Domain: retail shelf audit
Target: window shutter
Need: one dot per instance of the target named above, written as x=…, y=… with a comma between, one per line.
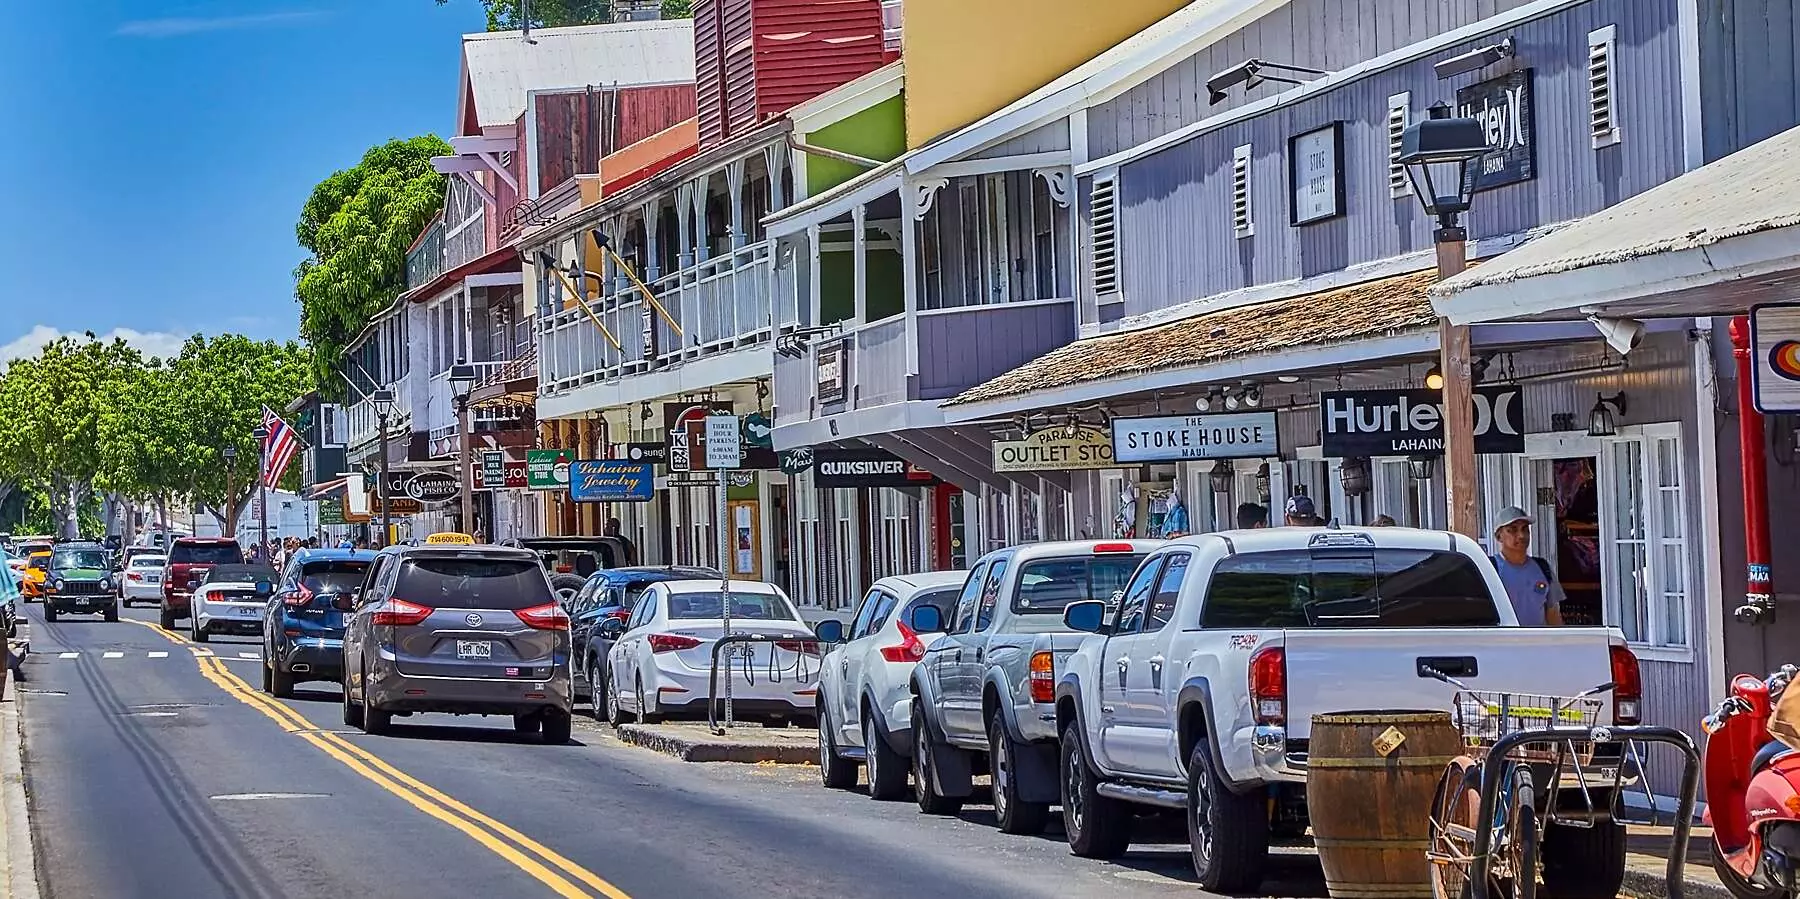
x=1240, y=192
x=1103, y=236
x=1398, y=117
x=1603, y=120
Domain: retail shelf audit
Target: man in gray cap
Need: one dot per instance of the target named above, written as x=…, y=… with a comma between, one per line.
x=1529, y=582
x=1300, y=512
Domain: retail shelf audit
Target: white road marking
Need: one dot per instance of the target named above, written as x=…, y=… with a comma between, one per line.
x=112, y=655
x=250, y=655
x=203, y=653
x=159, y=655
x=70, y=655
x=241, y=797
x=239, y=659
x=152, y=714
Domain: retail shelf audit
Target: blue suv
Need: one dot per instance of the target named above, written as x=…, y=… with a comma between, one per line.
x=303, y=630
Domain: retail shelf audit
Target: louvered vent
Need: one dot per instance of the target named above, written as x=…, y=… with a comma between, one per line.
x=1240, y=192
x=1399, y=106
x=1603, y=121
x=1104, y=236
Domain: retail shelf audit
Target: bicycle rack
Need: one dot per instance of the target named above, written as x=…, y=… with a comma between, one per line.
x=712, y=685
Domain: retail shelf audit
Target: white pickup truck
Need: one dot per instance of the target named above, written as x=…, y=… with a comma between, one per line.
x=1197, y=692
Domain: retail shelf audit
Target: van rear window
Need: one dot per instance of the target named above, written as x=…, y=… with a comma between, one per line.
x=457, y=583
x=1348, y=588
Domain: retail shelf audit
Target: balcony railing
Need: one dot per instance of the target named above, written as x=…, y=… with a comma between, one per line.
x=720, y=305
x=364, y=425
x=440, y=402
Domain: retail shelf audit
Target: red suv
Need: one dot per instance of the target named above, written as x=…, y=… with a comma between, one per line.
x=189, y=559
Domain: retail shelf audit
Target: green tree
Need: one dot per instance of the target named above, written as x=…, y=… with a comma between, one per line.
x=142, y=439
x=504, y=15
x=677, y=9
x=358, y=224
x=52, y=404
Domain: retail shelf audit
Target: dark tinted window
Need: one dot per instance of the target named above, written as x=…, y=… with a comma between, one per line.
x=473, y=583
x=336, y=576
x=943, y=600
x=1378, y=588
x=1046, y=586
x=206, y=554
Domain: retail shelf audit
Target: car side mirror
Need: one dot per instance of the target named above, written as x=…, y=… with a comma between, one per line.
x=344, y=602
x=612, y=627
x=830, y=630
x=926, y=620
x=1088, y=615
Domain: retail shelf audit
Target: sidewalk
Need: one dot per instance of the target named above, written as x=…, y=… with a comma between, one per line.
x=18, y=864
x=1647, y=860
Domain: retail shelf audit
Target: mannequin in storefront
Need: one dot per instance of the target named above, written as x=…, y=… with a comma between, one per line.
x=1529, y=582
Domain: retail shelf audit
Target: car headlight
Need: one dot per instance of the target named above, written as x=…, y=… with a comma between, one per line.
x=106, y=583
x=56, y=584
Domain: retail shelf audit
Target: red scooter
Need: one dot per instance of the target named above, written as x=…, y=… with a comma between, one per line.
x=1753, y=792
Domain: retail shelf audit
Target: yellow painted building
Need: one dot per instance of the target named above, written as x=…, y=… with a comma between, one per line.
x=967, y=58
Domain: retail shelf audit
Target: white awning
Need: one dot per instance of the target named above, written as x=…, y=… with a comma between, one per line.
x=1714, y=241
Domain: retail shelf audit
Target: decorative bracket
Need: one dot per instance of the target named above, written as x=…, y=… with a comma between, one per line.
x=925, y=192
x=1056, y=180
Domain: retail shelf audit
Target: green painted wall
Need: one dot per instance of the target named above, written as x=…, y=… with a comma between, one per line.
x=837, y=294
x=878, y=132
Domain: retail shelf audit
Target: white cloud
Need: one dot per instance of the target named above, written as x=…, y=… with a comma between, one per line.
x=150, y=343
x=180, y=26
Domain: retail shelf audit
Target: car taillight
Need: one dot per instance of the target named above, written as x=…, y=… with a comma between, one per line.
x=299, y=599
x=909, y=650
x=1628, y=686
x=399, y=613
x=133, y=576
x=803, y=647
x=1043, y=676
x=547, y=617
x=1268, y=685
x=616, y=615
x=1112, y=547
x=671, y=642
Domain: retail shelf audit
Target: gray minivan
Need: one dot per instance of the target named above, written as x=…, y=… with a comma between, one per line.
x=468, y=630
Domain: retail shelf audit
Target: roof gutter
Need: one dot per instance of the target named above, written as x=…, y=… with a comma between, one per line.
x=828, y=153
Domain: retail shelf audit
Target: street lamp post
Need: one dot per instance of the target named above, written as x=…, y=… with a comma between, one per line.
x=383, y=401
x=462, y=380
x=1436, y=153
x=230, y=454
x=262, y=487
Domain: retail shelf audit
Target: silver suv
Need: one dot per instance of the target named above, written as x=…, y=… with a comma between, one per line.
x=469, y=630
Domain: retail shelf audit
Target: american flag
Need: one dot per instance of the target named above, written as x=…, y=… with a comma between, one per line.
x=279, y=447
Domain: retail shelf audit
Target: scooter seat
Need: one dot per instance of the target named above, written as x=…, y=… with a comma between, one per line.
x=1767, y=755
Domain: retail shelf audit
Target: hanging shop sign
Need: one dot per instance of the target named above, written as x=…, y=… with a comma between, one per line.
x=870, y=467
x=611, y=481
x=493, y=466
x=548, y=469
x=433, y=487
x=758, y=431
x=1316, y=174
x=647, y=452
x=1177, y=438
x=1411, y=422
x=829, y=373
x=794, y=461
x=1055, y=449
x=397, y=505
x=724, y=442
x=331, y=511
x=1503, y=107
x=684, y=434
x=1775, y=341
x=689, y=445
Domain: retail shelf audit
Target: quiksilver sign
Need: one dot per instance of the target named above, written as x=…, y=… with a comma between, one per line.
x=1178, y=438
x=1411, y=422
x=837, y=467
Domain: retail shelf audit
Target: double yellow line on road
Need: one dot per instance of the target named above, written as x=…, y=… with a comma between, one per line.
x=561, y=875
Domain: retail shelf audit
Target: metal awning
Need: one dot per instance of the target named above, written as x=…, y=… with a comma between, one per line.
x=1714, y=241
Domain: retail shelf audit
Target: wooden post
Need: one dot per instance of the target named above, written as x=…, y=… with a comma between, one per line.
x=860, y=261
x=1460, y=491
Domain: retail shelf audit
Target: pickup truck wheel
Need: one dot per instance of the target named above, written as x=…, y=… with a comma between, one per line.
x=1097, y=826
x=111, y=613
x=835, y=771
x=931, y=802
x=1228, y=834
x=886, y=768
x=1016, y=815
x=1585, y=863
x=168, y=620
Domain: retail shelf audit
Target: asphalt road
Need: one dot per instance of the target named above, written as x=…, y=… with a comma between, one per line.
x=156, y=769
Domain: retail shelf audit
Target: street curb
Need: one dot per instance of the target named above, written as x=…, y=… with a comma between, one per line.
x=707, y=748
x=1642, y=883
x=21, y=878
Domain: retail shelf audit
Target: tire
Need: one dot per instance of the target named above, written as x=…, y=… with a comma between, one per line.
x=597, y=690
x=49, y=611
x=168, y=620
x=1016, y=816
x=615, y=713
x=931, y=802
x=1735, y=883
x=112, y=612
x=1097, y=826
x=835, y=771
x=527, y=722
x=281, y=683
x=268, y=684
x=644, y=715
x=1589, y=863
x=375, y=722
x=885, y=768
x=353, y=711
x=1228, y=834
x=558, y=727
x=1453, y=814
x=565, y=586
x=1522, y=829
x=197, y=633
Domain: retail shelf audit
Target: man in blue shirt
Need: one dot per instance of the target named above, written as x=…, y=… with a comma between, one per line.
x=1530, y=584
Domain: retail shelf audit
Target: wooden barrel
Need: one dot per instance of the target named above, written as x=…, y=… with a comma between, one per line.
x=1369, y=785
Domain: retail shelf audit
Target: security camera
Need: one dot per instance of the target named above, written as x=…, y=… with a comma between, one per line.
x=1622, y=334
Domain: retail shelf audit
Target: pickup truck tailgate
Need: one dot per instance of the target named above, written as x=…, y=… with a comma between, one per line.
x=1336, y=670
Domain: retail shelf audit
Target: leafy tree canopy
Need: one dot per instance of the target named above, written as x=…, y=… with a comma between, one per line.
x=358, y=224
x=505, y=15
x=52, y=404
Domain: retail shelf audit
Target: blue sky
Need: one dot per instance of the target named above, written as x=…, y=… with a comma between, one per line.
x=160, y=151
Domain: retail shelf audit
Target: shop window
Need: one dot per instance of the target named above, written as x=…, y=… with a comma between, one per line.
x=1645, y=560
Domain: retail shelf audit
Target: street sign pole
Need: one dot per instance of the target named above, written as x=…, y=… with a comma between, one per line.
x=724, y=452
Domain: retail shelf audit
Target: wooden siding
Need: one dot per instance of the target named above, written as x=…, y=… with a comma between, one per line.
x=709, y=68
x=1175, y=227
x=756, y=59
x=1029, y=276
x=1046, y=139
x=576, y=129
x=1320, y=34
x=1749, y=72
x=960, y=348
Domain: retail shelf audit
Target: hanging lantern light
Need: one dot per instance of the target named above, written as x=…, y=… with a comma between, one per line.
x=1221, y=476
x=1601, y=420
x=1420, y=467
x=1354, y=473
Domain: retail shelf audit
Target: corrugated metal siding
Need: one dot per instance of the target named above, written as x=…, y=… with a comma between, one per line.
x=964, y=347
x=1750, y=72
x=1320, y=34
x=1175, y=206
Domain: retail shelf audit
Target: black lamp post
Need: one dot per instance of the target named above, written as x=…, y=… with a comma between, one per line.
x=262, y=486
x=1437, y=153
x=383, y=401
x=462, y=380
x=230, y=454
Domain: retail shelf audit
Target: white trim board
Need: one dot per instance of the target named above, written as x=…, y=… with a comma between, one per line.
x=841, y=102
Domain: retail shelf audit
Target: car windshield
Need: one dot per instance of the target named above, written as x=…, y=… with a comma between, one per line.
x=749, y=606
x=336, y=576
x=206, y=554
x=64, y=559
x=1047, y=586
x=473, y=583
x=1348, y=588
x=148, y=561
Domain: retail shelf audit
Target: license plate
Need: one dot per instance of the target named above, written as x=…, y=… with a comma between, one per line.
x=155, y=579
x=474, y=649
x=247, y=612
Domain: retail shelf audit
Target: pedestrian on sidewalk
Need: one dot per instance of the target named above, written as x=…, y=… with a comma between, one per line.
x=1530, y=584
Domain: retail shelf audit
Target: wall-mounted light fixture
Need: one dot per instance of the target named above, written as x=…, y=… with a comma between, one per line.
x=1250, y=73
x=1434, y=378
x=1420, y=467
x=1479, y=58
x=1354, y=473
x=1221, y=476
x=1602, y=420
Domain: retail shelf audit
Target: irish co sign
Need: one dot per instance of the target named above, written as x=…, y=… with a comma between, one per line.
x=1411, y=422
x=1177, y=438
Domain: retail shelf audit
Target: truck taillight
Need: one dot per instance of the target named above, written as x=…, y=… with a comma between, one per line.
x=1628, y=686
x=1268, y=685
x=909, y=650
x=399, y=613
x=1043, y=676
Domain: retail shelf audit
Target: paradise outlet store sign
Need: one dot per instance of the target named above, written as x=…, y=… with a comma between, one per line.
x=1179, y=438
x=1411, y=422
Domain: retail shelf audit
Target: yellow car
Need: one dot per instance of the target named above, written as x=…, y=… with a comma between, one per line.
x=37, y=567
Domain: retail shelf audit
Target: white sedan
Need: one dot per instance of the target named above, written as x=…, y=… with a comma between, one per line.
x=142, y=581
x=231, y=600
x=661, y=663
x=865, y=698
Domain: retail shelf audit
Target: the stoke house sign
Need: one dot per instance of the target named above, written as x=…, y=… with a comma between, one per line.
x=1503, y=107
x=1411, y=422
x=1178, y=438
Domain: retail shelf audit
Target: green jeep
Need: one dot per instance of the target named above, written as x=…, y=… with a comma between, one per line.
x=80, y=579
